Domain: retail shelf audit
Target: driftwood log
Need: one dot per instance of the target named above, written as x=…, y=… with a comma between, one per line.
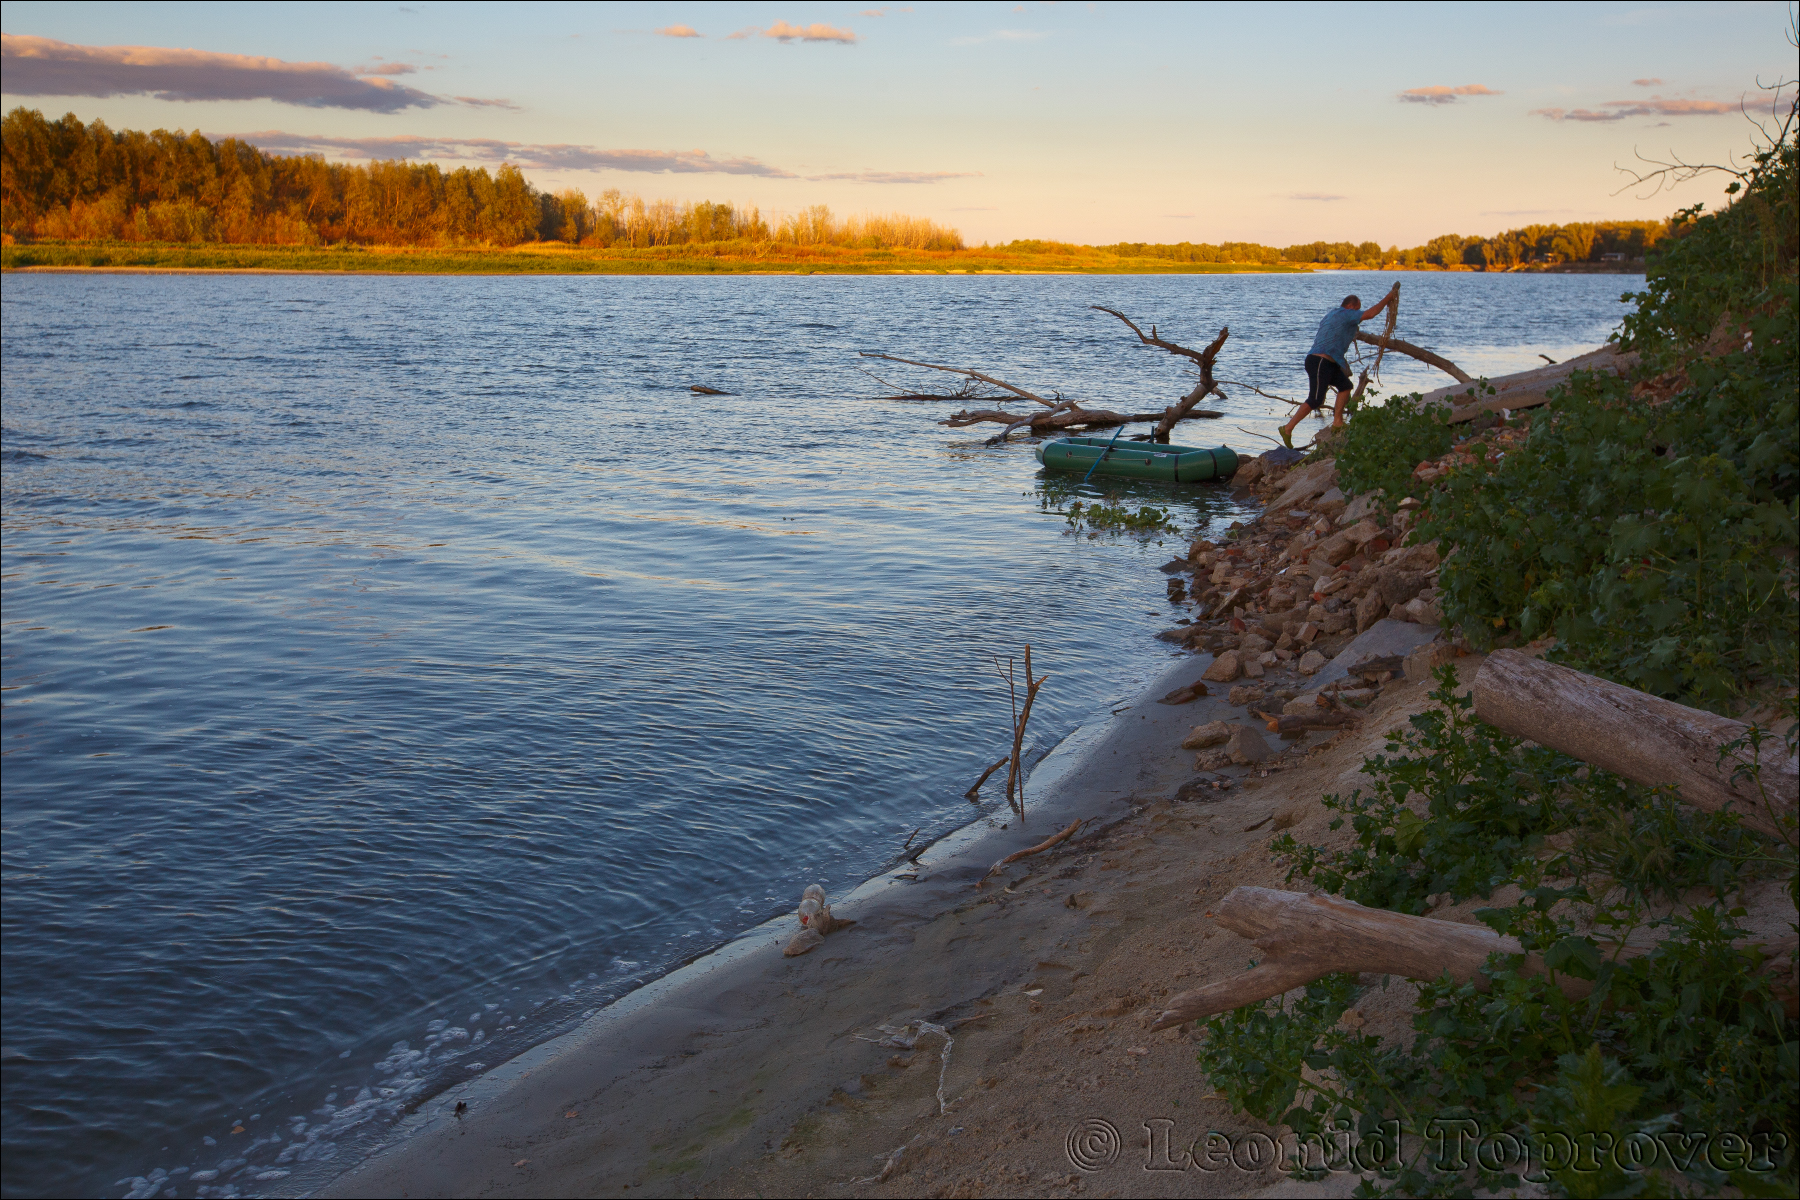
x=1643, y=738
x=1419, y=352
x=1305, y=937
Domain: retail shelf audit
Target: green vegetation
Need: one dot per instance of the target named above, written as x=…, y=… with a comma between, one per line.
x=1382, y=444
x=1113, y=516
x=75, y=194
x=1650, y=525
x=1688, y=1040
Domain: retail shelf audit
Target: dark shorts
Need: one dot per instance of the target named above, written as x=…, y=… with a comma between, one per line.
x=1323, y=374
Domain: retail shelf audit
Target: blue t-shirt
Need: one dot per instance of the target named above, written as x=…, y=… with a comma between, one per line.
x=1336, y=332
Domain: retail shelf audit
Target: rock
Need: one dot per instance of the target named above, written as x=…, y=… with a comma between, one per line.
x=1184, y=695
x=1247, y=746
x=1224, y=668
x=1422, y=662
x=1304, y=484
x=1337, y=622
x=1249, y=472
x=1310, y=662
x=1302, y=704
x=1422, y=611
x=1254, y=643
x=1174, y=565
x=1213, y=733
x=1244, y=694
x=1307, y=634
x=1253, y=667
x=1284, y=643
x=1398, y=585
x=1369, y=609
x=1363, y=506
x=1284, y=654
x=1363, y=532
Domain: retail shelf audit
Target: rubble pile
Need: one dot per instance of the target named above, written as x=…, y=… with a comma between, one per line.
x=1313, y=570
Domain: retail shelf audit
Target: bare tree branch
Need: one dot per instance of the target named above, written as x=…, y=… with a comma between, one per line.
x=1419, y=352
x=988, y=379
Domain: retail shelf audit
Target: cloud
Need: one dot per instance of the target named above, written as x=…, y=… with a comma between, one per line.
x=1656, y=106
x=531, y=156
x=1445, y=95
x=36, y=66
x=678, y=31
x=478, y=102
x=388, y=68
x=1315, y=196
x=781, y=31
x=895, y=176
x=1647, y=82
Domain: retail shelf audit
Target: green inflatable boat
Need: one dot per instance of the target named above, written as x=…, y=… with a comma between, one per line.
x=1139, y=460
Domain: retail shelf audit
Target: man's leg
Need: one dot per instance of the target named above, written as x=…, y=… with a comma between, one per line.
x=1337, y=410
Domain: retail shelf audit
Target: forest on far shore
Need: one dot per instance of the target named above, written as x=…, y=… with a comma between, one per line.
x=70, y=181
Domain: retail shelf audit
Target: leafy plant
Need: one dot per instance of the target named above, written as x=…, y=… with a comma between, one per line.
x=1383, y=444
x=1113, y=516
x=1672, y=1051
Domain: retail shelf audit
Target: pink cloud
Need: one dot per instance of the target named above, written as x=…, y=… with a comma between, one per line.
x=36, y=66
x=679, y=31
x=1619, y=110
x=783, y=32
x=1440, y=94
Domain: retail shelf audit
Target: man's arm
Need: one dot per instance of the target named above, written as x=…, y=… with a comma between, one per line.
x=1371, y=312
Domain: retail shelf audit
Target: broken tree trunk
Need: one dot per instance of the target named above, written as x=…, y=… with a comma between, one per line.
x=1643, y=738
x=1178, y=411
x=1419, y=352
x=1304, y=938
x=1057, y=415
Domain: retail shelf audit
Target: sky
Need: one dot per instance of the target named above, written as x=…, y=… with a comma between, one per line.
x=1273, y=123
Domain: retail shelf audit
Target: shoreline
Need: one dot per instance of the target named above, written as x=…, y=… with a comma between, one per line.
x=697, y=1078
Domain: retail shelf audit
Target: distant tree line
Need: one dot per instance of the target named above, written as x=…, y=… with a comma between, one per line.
x=1585, y=241
x=65, y=179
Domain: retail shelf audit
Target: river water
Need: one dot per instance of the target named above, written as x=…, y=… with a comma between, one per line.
x=397, y=669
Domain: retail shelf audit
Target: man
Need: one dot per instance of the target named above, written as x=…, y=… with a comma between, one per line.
x=1325, y=364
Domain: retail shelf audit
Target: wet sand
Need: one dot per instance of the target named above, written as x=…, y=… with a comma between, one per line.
x=749, y=1073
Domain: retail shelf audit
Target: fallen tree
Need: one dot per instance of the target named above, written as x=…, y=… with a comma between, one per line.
x=1307, y=937
x=1712, y=760
x=1057, y=416
x=1204, y=359
x=1060, y=414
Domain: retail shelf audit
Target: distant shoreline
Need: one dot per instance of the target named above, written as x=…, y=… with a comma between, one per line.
x=218, y=259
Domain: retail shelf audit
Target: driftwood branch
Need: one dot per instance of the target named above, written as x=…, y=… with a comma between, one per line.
x=975, y=791
x=1015, y=775
x=1178, y=411
x=1015, y=856
x=1304, y=938
x=987, y=379
x=1644, y=738
x=1419, y=352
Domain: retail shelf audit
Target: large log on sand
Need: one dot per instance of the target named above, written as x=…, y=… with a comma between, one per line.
x=1641, y=737
x=1305, y=937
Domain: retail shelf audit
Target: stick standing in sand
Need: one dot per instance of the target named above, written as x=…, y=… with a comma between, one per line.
x=1326, y=367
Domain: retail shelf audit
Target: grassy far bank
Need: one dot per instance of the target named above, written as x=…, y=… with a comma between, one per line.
x=719, y=258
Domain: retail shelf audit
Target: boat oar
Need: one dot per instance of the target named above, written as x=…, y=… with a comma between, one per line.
x=1103, y=454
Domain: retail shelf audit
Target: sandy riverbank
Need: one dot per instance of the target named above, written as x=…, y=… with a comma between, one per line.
x=749, y=1073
